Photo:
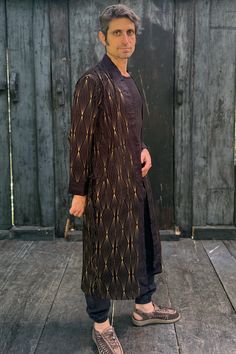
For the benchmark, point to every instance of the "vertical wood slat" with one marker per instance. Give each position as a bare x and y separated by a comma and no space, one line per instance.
61,94
5,197
200,116
24,141
184,32
44,119
221,114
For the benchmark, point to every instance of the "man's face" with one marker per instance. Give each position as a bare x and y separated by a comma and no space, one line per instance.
121,38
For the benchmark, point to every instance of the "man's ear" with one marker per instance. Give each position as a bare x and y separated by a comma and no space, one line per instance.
102,37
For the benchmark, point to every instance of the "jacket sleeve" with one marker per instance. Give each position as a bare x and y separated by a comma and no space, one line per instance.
144,146
83,118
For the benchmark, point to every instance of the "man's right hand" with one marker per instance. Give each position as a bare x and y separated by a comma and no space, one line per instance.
78,205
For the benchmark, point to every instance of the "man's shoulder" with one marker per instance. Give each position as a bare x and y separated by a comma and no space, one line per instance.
90,75
93,74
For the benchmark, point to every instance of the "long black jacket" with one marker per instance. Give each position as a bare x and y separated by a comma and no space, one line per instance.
103,167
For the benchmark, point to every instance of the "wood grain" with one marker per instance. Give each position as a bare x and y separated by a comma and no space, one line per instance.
220,128
43,112
28,289
23,121
61,98
201,92
208,319
43,309
224,263
5,201
183,114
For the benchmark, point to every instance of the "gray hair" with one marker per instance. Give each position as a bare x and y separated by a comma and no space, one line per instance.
117,11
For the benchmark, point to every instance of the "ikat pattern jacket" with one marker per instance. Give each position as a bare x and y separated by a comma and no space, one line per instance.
102,168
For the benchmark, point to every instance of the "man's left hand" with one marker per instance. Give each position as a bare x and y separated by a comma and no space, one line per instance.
146,162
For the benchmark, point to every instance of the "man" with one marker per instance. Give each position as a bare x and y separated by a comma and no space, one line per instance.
108,180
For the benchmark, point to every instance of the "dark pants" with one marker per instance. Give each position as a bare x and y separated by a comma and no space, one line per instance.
98,309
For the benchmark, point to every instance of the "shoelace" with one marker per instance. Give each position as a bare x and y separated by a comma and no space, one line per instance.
111,337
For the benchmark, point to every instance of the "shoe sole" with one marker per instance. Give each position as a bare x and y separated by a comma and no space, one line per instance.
140,323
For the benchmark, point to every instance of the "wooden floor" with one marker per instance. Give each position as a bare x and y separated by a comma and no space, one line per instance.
42,309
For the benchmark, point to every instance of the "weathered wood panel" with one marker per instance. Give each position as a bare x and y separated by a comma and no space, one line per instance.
221,112
24,149
184,32
27,291
152,66
35,320
204,183
68,329
43,112
231,246
223,232
61,96
223,14
208,320
5,201
150,339
200,117
225,265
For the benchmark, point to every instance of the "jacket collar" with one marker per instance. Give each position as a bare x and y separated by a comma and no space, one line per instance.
110,67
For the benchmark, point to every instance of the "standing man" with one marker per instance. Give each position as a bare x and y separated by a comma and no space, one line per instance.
108,180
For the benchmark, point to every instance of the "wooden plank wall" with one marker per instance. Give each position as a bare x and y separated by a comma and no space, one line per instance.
184,31
221,110
23,118
52,43
44,113
5,200
60,62
204,145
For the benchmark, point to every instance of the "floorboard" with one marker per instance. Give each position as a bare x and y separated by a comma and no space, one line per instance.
68,328
43,311
208,323
224,263
28,291
149,339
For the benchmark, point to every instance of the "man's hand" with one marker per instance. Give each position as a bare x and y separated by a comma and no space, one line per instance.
146,162
78,205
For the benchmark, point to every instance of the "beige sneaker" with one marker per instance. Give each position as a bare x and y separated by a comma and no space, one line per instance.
107,341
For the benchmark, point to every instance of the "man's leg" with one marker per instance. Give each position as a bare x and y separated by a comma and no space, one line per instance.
103,333
98,310
146,312
144,301
146,277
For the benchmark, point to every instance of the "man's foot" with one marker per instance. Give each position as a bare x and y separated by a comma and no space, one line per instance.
159,314
107,341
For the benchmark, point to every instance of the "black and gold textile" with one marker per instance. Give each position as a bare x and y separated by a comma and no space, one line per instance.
103,167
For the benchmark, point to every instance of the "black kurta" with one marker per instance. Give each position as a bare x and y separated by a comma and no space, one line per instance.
105,165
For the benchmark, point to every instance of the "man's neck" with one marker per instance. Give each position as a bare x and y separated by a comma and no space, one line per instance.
121,64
